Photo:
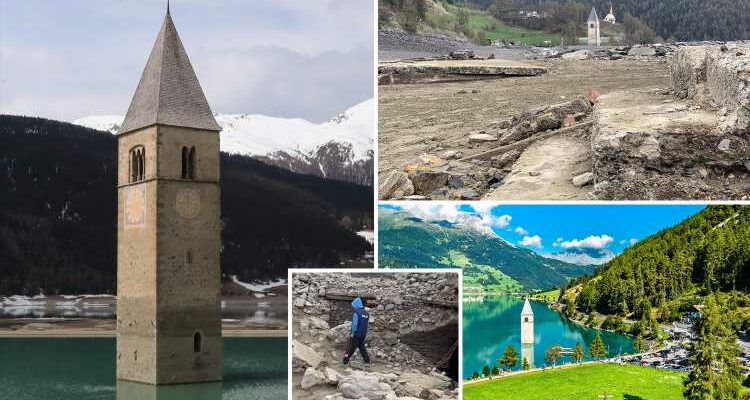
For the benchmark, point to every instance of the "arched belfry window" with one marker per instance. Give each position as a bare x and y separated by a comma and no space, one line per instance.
137,164
188,162
197,342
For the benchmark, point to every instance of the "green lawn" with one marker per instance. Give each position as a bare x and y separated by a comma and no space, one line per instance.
624,382
491,28
549,296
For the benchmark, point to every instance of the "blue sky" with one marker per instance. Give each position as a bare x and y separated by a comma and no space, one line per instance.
286,58
558,228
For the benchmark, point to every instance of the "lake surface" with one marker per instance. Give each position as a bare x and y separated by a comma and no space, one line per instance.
493,323
83,369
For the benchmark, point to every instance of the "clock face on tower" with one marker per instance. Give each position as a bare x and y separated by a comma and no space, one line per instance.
135,206
188,203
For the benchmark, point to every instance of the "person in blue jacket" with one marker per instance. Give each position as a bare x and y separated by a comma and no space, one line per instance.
360,321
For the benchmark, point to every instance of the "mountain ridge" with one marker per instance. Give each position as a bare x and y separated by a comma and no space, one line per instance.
407,241
58,213
340,148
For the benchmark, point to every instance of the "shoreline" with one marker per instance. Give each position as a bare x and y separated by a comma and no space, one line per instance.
83,333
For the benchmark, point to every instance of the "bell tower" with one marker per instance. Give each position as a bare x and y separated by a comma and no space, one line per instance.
527,324
594,34
168,225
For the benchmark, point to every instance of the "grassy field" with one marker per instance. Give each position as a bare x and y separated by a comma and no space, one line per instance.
489,27
623,382
549,296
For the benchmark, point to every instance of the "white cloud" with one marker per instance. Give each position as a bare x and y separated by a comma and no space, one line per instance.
581,258
521,231
633,241
433,212
453,214
502,221
282,58
532,241
483,208
591,242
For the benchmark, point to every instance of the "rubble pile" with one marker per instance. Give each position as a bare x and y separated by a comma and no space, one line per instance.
449,176
400,306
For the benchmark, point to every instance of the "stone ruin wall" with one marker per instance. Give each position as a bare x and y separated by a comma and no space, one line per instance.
717,77
413,316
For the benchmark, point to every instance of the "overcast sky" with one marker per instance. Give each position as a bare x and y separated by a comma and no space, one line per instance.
286,58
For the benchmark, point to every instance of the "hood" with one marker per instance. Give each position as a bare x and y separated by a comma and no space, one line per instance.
357,303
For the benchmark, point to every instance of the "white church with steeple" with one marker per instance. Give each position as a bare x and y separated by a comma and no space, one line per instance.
610,18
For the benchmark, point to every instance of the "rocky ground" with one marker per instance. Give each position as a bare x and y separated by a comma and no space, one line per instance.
685,137
400,306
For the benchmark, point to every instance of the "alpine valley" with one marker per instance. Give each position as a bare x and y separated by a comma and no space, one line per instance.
488,261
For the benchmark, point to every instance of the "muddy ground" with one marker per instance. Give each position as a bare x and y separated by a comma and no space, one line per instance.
430,118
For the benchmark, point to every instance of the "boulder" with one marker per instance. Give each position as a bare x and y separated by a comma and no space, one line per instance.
332,376
583,179
394,185
362,384
426,182
340,334
578,55
311,378
315,323
306,354
642,51
506,158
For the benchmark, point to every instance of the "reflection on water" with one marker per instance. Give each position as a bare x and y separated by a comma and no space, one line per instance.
495,322
138,391
84,369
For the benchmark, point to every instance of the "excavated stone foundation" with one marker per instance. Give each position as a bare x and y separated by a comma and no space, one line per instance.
650,146
428,71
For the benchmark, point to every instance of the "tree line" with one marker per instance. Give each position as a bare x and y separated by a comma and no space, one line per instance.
709,251
510,358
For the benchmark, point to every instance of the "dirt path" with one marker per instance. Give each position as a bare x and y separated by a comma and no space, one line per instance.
545,170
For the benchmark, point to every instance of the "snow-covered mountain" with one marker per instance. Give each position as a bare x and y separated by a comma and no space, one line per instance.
583,256
341,148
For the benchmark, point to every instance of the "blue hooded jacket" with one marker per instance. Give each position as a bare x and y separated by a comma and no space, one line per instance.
360,319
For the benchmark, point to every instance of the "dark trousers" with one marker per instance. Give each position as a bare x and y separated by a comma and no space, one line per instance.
354,344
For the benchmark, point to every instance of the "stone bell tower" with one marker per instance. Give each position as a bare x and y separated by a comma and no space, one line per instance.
594,33
527,324
168,232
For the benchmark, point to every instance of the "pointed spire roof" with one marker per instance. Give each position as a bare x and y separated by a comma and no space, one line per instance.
168,92
593,17
527,308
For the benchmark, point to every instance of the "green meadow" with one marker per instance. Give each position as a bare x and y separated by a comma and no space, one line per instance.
590,381
489,27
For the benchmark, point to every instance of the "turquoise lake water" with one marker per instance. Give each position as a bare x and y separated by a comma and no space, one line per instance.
494,323
83,369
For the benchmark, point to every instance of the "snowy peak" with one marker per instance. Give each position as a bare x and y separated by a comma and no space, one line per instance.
340,148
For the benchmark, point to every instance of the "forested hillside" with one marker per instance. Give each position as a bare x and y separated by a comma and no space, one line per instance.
681,20
670,19
58,208
709,251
